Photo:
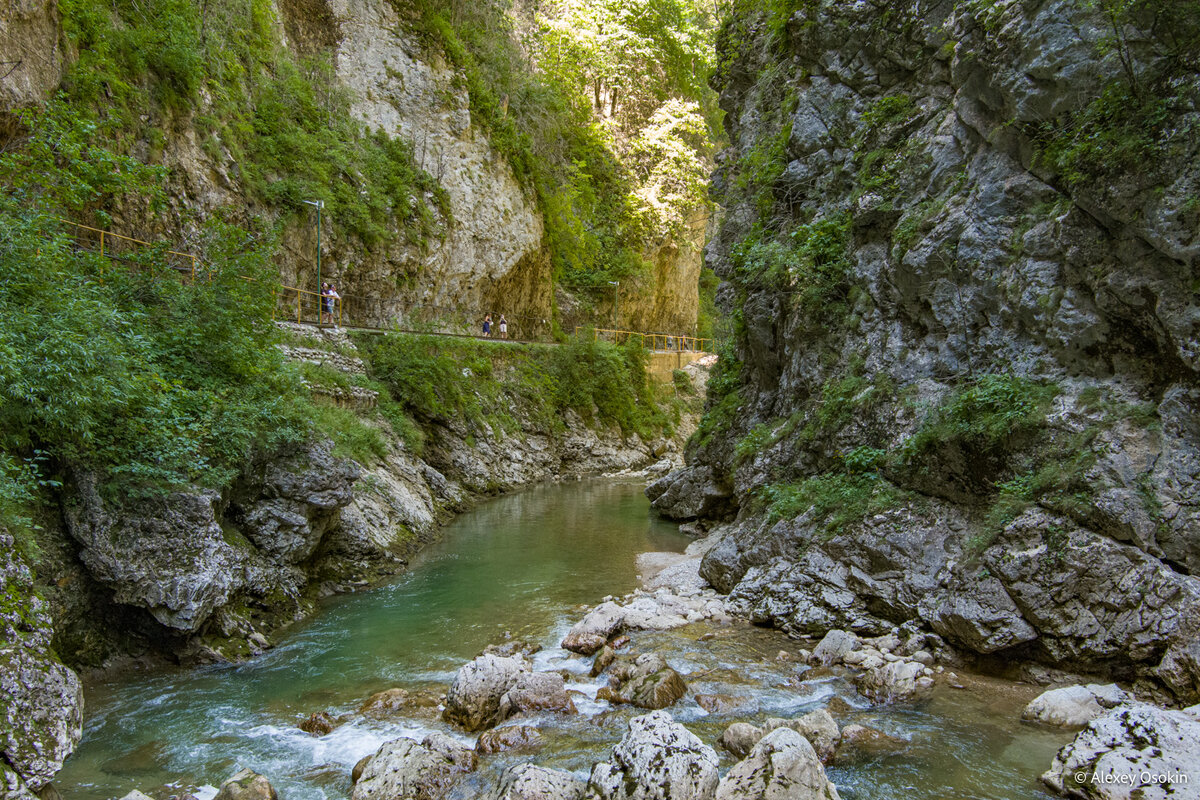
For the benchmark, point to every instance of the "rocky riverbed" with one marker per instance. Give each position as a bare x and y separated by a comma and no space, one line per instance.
664,693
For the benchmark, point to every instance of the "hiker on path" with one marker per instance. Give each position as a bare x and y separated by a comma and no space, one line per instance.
503,327
487,326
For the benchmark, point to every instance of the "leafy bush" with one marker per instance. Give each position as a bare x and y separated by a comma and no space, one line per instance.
983,415
273,116
439,379
834,500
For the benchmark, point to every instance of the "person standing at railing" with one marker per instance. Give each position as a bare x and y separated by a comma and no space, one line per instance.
503,327
329,298
487,326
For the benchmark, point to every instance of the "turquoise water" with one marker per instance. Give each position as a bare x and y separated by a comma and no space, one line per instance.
521,565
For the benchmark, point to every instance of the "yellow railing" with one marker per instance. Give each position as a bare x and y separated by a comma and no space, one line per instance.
659,342
307,306
110,244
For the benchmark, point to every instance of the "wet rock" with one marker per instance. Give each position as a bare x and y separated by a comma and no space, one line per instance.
473,700
536,691
603,660
404,769
516,737
514,647
1136,751
593,631
41,701
1073,706
166,554
818,727
136,795
649,683
690,493
834,647
860,742
319,723
387,703
740,738
896,681
247,785
529,782
783,766
656,758
718,703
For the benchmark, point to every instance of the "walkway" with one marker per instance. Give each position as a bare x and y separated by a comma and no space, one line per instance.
304,307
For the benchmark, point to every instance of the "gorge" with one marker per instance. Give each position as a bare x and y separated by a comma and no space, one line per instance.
946,456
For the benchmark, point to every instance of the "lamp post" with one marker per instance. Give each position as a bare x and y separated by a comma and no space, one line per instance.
318,205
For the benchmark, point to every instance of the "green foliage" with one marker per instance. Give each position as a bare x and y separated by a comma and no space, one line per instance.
683,382
1118,132
352,436
276,119
112,363
433,378
724,397
1134,121
811,263
833,500
603,193
983,415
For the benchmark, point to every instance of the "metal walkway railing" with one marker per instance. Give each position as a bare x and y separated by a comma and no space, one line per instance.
310,308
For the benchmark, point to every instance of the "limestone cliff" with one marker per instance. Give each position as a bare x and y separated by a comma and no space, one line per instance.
486,249
963,390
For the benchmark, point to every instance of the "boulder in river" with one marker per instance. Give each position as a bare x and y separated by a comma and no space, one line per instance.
1073,706
473,700
649,682
247,785
818,727
387,703
530,782
536,691
404,769
740,738
514,737
859,741
897,681
593,631
1138,750
834,647
657,758
319,723
782,765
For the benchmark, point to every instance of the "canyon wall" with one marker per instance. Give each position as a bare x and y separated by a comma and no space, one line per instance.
961,254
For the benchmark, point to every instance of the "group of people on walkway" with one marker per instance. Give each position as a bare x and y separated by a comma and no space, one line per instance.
501,327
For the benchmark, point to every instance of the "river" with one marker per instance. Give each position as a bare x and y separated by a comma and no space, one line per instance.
520,565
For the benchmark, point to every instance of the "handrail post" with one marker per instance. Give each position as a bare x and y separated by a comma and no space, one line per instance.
101,244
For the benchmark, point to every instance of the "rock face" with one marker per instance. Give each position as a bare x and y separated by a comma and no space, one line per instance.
975,408
492,256
1073,706
657,758
782,765
404,769
32,46
1131,751
42,701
